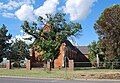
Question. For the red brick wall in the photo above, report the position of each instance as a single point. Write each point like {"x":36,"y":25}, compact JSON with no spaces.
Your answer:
{"x":59,"y":61}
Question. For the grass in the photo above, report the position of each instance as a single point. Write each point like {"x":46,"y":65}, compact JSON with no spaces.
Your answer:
{"x":32,"y":73}
{"x":77,"y":74}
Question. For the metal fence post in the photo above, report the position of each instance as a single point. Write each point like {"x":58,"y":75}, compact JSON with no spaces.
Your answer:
{"x":112,"y":65}
{"x":65,"y":67}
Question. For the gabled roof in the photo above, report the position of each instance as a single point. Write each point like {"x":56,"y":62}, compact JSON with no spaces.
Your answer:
{"x":83,"y":49}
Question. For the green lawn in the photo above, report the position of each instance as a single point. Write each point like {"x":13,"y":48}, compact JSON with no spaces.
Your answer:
{"x":39,"y":73}
{"x":77,"y":74}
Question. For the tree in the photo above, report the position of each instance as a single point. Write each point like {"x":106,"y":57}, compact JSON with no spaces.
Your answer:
{"x":19,"y":51}
{"x":93,"y":50}
{"x":49,"y":41}
{"x":108,"y":29}
{"x":95,"y":53}
{"x":4,"y":38}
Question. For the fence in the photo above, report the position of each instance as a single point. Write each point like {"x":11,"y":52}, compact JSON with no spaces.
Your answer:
{"x":2,"y":65}
{"x":95,"y":65}
{"x":76,"y":70}
{"x":13,"y":65}
{"x":79,"y":65}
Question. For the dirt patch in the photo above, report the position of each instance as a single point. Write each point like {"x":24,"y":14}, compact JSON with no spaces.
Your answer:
{"x":112,"y":75}
{"x":99,"y":75}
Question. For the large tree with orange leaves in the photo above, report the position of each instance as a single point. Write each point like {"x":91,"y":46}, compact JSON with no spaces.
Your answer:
{"x":108,"y":30}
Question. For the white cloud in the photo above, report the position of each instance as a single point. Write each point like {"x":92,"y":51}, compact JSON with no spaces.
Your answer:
{"x":1,"y":3}
{"x":21,"y":31}
{"x":8,"y":8}
{"x":48,"y":7}
{"x":22,"y":37}
{"x":29,"y":2}
{"x":25,"y":13}
{"x":8,"y":15}
{"x":26,"y":10}
{"x":78,"y":9}
{"x":13,"y":4}
{"x":10,"y":5}
{"x":33,"y":1}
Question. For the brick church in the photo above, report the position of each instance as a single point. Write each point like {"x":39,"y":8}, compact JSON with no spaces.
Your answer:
{"x":66,"y":49}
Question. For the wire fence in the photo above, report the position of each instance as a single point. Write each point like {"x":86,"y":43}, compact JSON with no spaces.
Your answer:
{"x":2,"y":65}
{"x":95,"y":65}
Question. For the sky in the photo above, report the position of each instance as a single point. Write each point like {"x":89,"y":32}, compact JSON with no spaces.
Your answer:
{"x":13,"y":13}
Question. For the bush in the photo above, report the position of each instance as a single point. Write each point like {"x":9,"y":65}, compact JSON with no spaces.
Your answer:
{"x":15,"y":64}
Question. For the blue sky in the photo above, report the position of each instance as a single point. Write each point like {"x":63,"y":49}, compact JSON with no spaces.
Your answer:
{"x":86,"y":12}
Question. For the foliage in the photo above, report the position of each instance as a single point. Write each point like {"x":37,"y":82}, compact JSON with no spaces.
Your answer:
{"x":108,"y":29}
{"x":93,"y":50}
{"x":19,"y":51}
{"x":15,"y":64}
{"x":49,"y":41}
{"x":4,"y":38}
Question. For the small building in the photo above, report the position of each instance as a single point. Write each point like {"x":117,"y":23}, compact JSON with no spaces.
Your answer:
{"x":77,"y":53}
{"x":84,"y":50}
{"x":67,"y":52}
